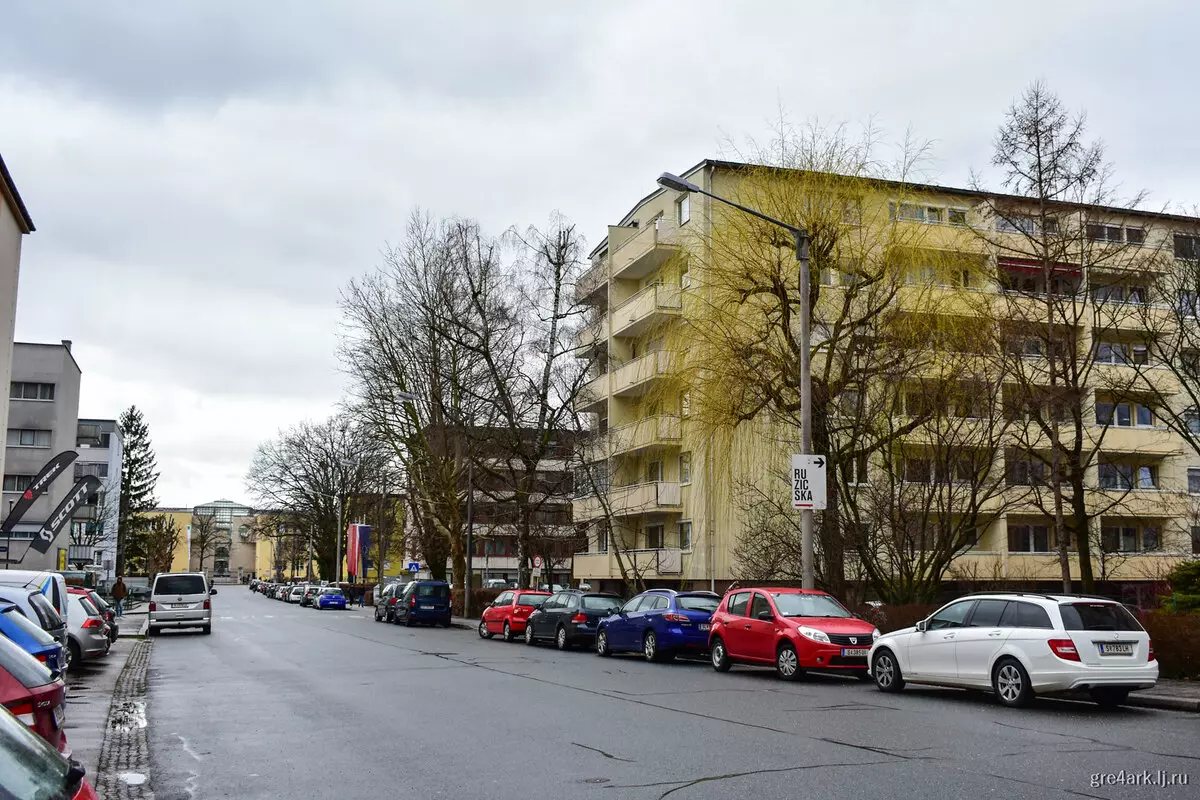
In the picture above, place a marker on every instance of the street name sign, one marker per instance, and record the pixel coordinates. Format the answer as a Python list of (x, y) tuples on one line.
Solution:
[(808, 482)]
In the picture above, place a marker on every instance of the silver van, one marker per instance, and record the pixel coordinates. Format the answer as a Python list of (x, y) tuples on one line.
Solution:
[(181, 600)]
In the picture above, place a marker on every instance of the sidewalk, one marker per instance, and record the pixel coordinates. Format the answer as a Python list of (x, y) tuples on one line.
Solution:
[(1171, 694)]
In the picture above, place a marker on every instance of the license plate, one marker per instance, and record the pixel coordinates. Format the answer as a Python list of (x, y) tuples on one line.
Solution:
[(704, 626), (59, 716), (855, 652), (181, 605), (1116, 649), (425, 606)]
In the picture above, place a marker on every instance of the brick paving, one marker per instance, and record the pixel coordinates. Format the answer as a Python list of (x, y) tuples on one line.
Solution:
[(123, 769)]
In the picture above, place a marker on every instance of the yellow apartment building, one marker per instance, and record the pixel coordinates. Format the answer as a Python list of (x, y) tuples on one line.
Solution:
[(665, 498)]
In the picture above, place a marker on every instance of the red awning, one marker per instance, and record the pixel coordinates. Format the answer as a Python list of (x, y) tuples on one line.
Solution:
[(1034, 267)]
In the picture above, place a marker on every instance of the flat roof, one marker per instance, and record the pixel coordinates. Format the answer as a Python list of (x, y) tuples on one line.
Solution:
[(9, 189)]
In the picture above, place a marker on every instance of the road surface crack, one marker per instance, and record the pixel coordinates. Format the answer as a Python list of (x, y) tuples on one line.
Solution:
[(603, 753)]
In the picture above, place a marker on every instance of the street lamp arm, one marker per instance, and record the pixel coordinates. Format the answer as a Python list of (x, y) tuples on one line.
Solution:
[(669, 181)]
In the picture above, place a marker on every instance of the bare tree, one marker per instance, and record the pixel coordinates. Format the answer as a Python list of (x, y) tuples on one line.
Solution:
[(161, 538), (205, 536)]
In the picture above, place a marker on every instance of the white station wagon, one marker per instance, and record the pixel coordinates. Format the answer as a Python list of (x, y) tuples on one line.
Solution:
[(1021, 645)]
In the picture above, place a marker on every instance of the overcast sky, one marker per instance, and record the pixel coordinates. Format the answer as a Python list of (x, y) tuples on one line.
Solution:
[(205, 176)]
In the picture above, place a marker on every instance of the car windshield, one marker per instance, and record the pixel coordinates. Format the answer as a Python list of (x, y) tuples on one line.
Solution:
[(179, 584), (697, 603), (28, 766), (22, 666), (534, 600), (47, 614), (332, 592), (88, 607), (18, 619), (98, 601), (598, 603), (433, 590), (1097, 617), (808, 605)]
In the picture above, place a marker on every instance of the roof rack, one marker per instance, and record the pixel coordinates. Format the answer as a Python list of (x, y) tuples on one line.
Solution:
[(1021, 594)]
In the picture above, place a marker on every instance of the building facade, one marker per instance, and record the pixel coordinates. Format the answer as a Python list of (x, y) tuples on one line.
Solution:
[(93, 543), (231, 555), (43, 420), (661, 503), (15, 224)]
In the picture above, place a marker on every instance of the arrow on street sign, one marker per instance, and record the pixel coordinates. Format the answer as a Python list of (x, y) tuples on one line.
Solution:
[(808, 482)]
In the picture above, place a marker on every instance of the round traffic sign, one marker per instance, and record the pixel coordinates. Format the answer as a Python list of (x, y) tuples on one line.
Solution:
[(537, 562)]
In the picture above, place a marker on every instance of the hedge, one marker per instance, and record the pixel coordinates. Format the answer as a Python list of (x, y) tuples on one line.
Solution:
[(1176, 639)]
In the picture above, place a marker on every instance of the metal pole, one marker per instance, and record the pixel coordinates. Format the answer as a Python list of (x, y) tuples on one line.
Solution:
[(806, 515), (308, 569), (470, 536), (337, 569), (8, 546)]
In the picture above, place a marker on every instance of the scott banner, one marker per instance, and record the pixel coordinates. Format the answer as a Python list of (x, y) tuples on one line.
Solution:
[(41, 482), (88, 485)]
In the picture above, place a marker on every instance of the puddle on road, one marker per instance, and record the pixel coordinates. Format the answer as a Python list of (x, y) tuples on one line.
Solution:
[(132, 778), (128, 716)]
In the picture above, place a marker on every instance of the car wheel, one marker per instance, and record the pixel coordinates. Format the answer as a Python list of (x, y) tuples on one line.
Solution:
[(1108, 696), (602, 644), (886, 672), (483, 631), (1010, 682), (529, 640), (376, 613), (560, 639), (206, 630), (650, 647), (720, 656), (152, 631), (787, 663), (508, 634), (76, 656)]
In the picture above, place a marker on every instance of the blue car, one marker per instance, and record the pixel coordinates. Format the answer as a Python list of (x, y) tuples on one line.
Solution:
[(329, 597), (423, 601), (30, 637), (660, 624)]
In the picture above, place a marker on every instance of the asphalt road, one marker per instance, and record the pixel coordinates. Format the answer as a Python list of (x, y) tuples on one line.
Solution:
[(285, 702)]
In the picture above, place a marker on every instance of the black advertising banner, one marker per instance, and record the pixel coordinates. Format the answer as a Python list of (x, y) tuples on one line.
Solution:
[(54, 467), (87, 485)]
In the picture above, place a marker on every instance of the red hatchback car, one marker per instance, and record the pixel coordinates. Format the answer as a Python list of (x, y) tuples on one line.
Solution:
[(508, 612), (32, 694), (792, 629)]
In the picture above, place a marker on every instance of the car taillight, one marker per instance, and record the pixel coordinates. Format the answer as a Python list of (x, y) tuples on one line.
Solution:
[(392, 601), (91, 622), (1150, 655), (41, 657), (207, 605), (671, 617), (153, 606), (23, 712), (1064, 649), (412, 602), (579, 618)]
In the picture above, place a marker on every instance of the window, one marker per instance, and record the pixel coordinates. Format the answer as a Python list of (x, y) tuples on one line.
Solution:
[(857, 470), (1123, 415), (30, 391), (1105, 233), (957, 216), (685, 277), (918, 470), (1187, 247), (685, 535), (24, 437), (951, 616), (987, 613), (1129, 538), (1147, 477), (654, 537), (1112, 353), (737, 604), (909, 212), (1097, 617), (654, 471), (1028, 539), (19, 483), (759, 605), (685, 467), (1116, 476), (697, 603), (180, 584), (504, 599), (633, 604), (685, 404), (1195, 539), (683, 208), (1024, 615), (1150, 538), (99, 470), (602, 541), (922, 275), (1135, 235), (1193, 481)]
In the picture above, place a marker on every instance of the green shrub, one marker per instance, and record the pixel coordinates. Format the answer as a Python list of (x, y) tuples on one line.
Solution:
[(480, 598), (893, 618)]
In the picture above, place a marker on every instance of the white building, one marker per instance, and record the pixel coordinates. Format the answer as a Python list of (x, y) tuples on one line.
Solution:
[(93, 544), (14, 224)]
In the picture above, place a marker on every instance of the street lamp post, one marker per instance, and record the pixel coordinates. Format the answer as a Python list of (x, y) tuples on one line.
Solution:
[(8, 546), (800, 236)]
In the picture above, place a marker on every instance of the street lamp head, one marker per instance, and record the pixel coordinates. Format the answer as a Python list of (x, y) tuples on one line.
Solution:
[(405, 397), (676, 183)]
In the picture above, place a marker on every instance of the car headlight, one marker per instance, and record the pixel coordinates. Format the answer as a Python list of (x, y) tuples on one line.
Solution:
[(813, 633), (875, 635)]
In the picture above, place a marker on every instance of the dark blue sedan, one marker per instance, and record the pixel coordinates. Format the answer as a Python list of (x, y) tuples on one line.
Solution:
[(660, 624), (329, 597), (30, 637)]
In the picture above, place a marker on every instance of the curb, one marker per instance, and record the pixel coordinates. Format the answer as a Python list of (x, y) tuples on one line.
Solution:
[(123, 767), (1164, 701)]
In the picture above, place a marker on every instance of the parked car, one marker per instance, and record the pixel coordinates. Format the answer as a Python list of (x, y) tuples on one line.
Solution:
[(423, 601), (329, 597), (570, 617), (52, 585), (495, 583), (295, 594), (34, 694), (309, 594), (508, 612), (385, 606), (29, 767), (87, 632), (35, 606), (660, 624), (792, 629), (1021, 645), (181, 600), (106, 611), (29, 636)]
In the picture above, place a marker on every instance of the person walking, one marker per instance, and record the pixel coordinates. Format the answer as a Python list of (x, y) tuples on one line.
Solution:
[(119, 593)]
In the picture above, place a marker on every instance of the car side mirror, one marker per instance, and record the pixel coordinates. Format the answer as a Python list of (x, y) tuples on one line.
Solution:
[(766, 616), (609, 612), (212, 591), (922, 626)]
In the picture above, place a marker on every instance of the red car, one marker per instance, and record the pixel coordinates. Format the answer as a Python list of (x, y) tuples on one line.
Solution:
[(508, 612), (792, 629), (31, 768), (29, 690)]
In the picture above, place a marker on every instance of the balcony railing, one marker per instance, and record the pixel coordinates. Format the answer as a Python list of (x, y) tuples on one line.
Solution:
[(628, 501), (593, 282), (655, 304), (645, 251), (633, 377), (646, 562), (659, 430), (591, 336)]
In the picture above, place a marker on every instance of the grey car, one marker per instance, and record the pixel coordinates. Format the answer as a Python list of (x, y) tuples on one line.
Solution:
[(181, 600)]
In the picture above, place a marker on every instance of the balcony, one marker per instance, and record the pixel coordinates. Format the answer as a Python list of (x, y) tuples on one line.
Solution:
[(1142, 440), (592, 397), (657, 431), (645, 251), (630, 501), (652, 563), (592, 286), (634, 378), (592, 336), (654, 305)]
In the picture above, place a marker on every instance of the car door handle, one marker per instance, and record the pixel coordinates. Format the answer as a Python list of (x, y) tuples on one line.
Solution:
[(748, 627), (993, 633), (948, 636)]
